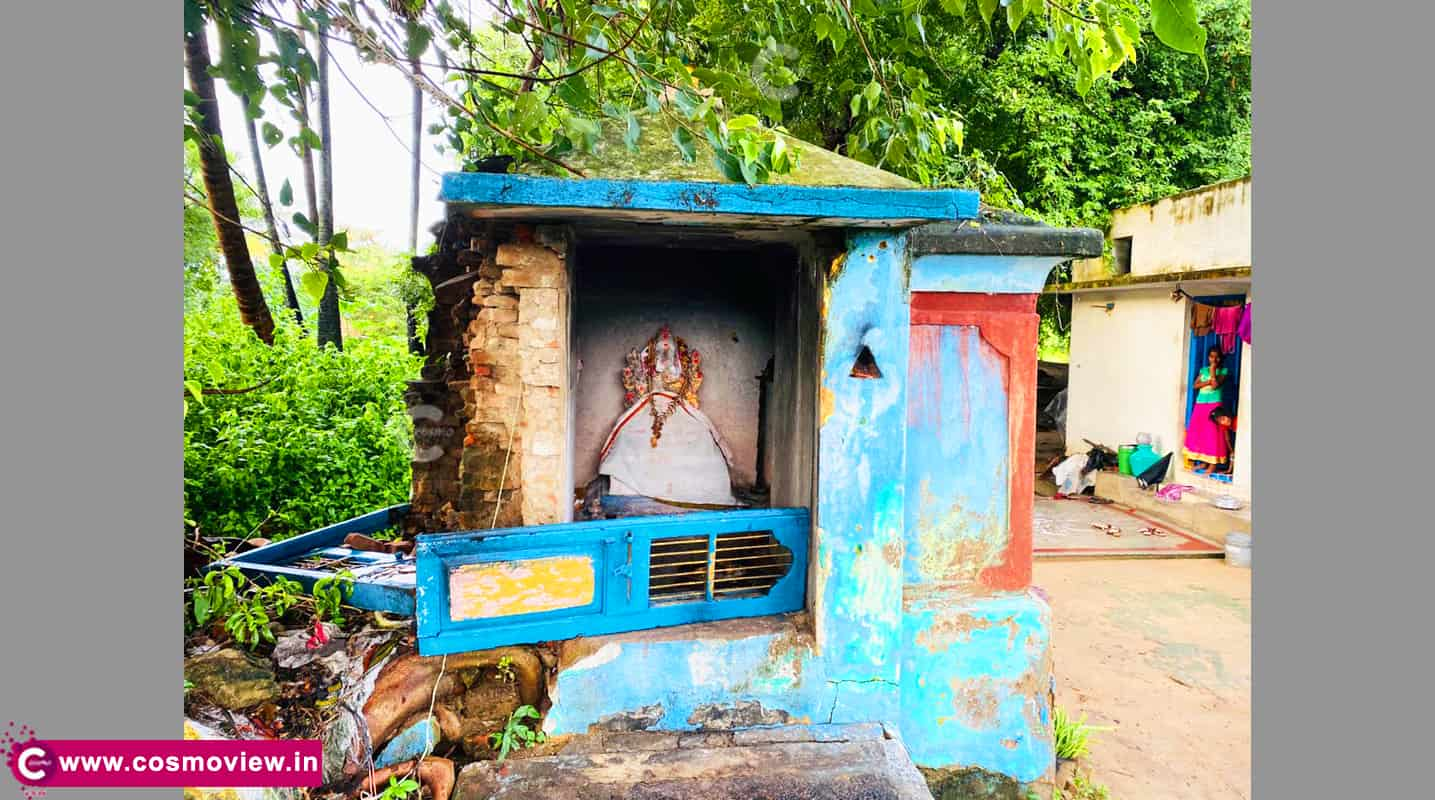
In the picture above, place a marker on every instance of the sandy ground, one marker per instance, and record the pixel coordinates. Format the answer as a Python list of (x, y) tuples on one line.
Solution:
[(1159, 651)]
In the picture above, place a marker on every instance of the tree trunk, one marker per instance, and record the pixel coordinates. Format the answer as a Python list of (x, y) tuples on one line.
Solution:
[(220, 191), (290, 298), (330, 328), (411, 324), (306, 158)]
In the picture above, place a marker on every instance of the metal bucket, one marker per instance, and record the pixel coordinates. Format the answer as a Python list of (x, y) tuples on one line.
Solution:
[(1238, 550)]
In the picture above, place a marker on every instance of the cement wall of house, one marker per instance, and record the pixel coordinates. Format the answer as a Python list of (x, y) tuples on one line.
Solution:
[(721, 302), (1128, 376), (1206, 228), (1128, 369)]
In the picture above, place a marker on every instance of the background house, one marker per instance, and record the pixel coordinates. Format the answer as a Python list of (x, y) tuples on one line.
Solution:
[(1133, 350)]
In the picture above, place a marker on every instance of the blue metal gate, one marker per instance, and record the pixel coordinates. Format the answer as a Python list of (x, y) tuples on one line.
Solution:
[(479, 590)]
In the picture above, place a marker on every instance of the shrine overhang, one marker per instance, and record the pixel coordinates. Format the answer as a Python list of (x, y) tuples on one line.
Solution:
[(498, 196)]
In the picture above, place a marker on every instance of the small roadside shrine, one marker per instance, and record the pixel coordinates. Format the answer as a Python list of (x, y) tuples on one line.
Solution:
[(748, 455)]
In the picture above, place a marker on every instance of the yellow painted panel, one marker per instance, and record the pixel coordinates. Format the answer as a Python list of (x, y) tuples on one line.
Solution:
[(507, 588)]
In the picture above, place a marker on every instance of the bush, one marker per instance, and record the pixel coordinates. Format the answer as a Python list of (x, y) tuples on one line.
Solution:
[(318, 437)]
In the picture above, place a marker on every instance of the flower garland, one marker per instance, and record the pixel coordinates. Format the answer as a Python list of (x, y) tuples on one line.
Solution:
[(642, 378)]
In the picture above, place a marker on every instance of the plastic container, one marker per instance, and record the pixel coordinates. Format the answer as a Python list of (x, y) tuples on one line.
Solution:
[(1238, 550), (1142, 458), (1123, 458)]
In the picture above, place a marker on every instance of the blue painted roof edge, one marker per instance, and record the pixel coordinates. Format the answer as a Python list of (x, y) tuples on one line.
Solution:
[(837, 202)]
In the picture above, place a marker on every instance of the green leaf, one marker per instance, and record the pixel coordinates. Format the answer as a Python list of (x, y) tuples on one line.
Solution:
[(201, 608), (286, 193), (872, 93), (309, 251), (597, 43), (822, 26), (866, 8), (309, 137), (528, 110), (195, 390), (272, 134), (418, 40), (633, 133), (574, 92), (742, 122), (856, 104), (1016, 12), (314, 283), (304, 224), (1177, 25), (276, 260), (339, 242), (728, 165), (987, 8), (190, 98), (685, 143), (954, 7)]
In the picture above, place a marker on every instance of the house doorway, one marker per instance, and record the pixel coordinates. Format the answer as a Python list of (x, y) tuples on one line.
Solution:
[(1208, 443)]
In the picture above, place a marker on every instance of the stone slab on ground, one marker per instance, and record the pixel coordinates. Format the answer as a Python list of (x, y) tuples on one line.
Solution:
[(1063, 528), (794, 762)]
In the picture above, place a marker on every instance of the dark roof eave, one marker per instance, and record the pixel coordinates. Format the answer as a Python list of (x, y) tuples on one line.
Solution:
[(1004, 238)]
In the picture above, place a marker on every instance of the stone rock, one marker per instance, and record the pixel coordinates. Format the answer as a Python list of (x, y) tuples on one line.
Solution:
[(1065, 774), (414, 742), (778, 771), (231, 678)]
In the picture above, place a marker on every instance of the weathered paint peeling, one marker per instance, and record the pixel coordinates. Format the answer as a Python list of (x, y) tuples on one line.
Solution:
[(902, 626)]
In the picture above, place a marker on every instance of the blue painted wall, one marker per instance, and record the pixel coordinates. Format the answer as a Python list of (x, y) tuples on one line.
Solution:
[(961, 272), (878, 206), (957, 461)]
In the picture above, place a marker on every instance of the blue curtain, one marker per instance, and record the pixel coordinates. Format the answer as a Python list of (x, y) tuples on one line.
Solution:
[(1231, 361)]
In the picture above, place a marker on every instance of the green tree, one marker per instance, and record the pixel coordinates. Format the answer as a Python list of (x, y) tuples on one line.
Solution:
[(543, 78)]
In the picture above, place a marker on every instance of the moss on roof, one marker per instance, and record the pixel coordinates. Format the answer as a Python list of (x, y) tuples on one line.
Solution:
[(658, 159)]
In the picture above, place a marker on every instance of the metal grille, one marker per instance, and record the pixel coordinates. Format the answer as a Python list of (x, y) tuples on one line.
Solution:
[(728, 565)]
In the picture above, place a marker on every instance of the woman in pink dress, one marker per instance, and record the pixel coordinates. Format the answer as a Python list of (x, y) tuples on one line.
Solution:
[(1206, 442)]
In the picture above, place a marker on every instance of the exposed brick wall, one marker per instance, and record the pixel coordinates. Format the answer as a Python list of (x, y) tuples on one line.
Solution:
[(491, 414)]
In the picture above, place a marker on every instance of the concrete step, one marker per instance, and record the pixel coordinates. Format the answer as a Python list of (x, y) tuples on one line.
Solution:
[(1194, 514), (791, 762)]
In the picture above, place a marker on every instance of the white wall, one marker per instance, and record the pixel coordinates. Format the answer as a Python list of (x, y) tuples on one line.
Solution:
[(1128, 369), (1206, 228)]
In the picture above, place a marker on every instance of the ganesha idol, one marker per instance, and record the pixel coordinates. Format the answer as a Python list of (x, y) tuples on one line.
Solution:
[(663, 447)]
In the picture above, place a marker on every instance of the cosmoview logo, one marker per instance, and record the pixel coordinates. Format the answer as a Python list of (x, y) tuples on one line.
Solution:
[(31, 761), (34, 763)]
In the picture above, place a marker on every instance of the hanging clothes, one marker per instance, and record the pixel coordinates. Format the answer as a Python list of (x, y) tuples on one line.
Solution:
[(1202, 318), (1226, 321), (1244, 329)]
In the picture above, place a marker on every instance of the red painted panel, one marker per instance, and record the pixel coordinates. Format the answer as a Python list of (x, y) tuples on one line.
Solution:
[(1008, 322)]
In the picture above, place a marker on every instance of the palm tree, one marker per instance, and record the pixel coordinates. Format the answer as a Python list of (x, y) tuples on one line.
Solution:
[(219, 190), (330, 330)]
